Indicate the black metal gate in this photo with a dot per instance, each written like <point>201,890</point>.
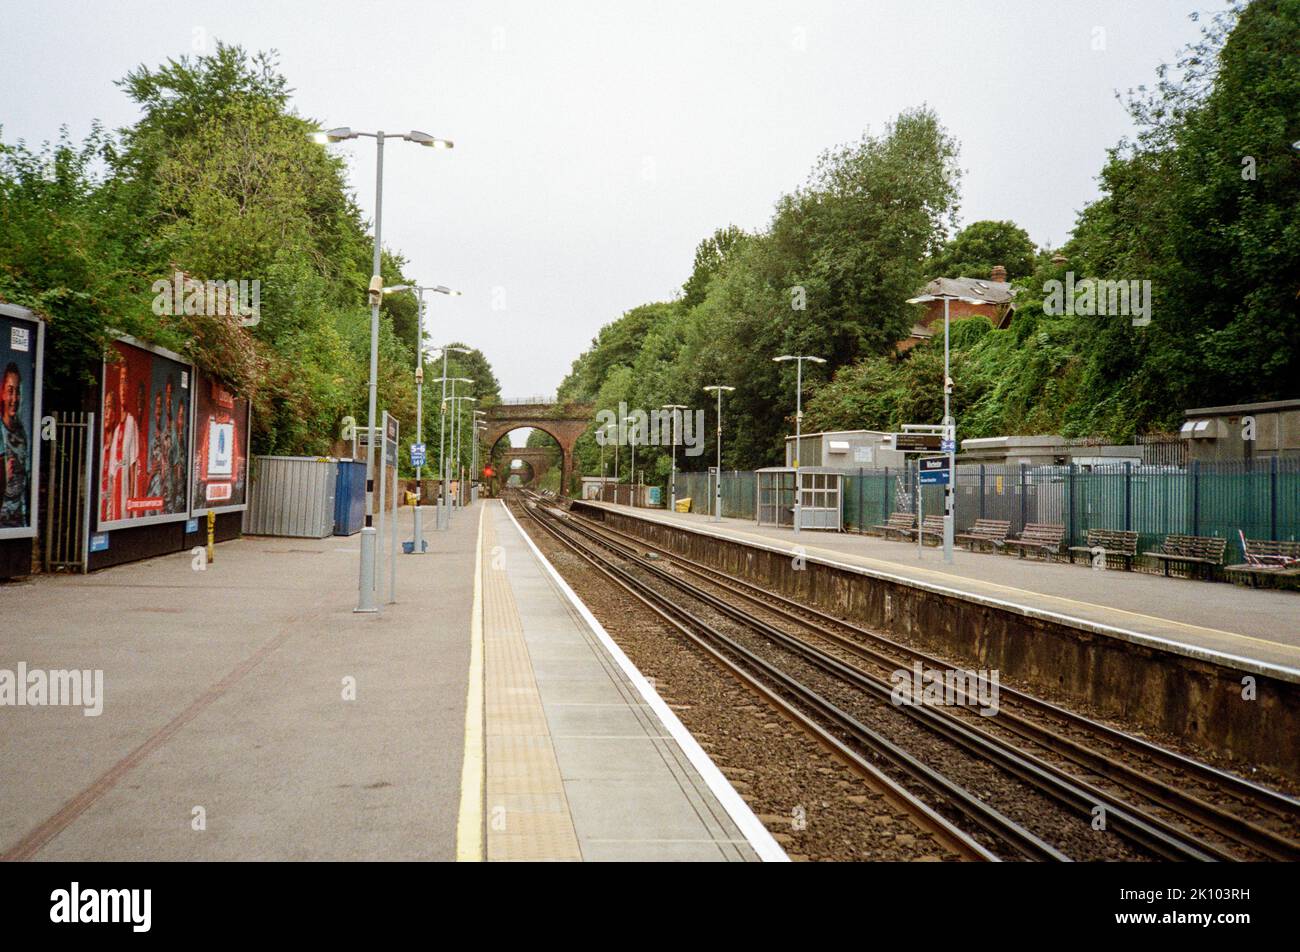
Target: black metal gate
<point>68,465</point>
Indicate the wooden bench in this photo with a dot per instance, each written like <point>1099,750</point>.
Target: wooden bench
<point>1044,537</point>
<point>930,526</point>
<point>1265,557</point>
<point>900,522</point>
<point>1203,552</point>
<point>1116,543</point>
<point>985,531</point>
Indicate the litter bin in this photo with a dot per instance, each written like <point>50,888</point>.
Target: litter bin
<point>350,498</point>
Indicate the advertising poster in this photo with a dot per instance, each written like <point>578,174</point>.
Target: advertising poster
<point>21,340</point>
<point>144,460</point>
<point>221,422</point>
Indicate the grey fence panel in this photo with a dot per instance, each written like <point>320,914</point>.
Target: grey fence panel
<point>291,496</point>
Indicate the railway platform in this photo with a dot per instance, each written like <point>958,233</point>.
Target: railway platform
<point>1257,630</point>
<point>246,712</point>
<point>570,754</point>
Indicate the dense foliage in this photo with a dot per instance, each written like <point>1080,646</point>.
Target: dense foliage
<point>221,180</point>
<point>1202,204</point>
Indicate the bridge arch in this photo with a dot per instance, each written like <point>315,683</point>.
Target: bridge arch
<point>563,421</point>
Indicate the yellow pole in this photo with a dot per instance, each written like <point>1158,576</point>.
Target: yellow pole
<point>212,535</point>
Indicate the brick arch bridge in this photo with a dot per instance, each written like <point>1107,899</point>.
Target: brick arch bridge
<point>561,420</point>
<point>536,458</point>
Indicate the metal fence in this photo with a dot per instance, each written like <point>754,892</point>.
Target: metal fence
<point>68,465</point>
<point>1259,497</point>
<point>738,492</point>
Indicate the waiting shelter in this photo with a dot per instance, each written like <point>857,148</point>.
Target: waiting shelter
<point>821,497</point>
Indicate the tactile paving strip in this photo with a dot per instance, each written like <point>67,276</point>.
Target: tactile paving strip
<point>527,814</point>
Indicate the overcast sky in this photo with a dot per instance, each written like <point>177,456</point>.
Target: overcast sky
<point>597,143</point>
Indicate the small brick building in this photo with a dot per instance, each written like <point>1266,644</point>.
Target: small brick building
<point>996,291</point>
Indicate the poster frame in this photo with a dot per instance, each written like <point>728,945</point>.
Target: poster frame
<point>197,511</point>
<point>38,386</point>
<point>100,524</point>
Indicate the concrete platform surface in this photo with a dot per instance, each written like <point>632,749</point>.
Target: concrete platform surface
<point>1193,617</point>
<point>248,713</point>
<point>580,765</point>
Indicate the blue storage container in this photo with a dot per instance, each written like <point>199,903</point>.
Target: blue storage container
<point>350,498</point>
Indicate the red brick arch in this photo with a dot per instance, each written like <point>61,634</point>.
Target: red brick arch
<point>564,422</point>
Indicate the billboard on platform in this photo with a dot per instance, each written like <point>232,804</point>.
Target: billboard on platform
<point>144,458</point>
<point>221,430</point>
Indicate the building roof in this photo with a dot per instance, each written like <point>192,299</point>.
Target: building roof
<point>980,289</point>
<point>1236,408</point>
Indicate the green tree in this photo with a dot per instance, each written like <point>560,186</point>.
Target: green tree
<point>979,246</point>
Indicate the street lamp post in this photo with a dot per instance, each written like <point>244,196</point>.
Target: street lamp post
<point>798,430</point>
<point>617,441</point>
<point>676,410</point>
<point>366,582</point>
<point>444,520</point>
<point>479,426</point>
<point>417,545</point>
<point>717,481</point>
<point>456,429</point>
<point>949,424</point>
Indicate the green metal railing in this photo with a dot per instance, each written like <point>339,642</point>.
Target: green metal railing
<point>1259,497</point>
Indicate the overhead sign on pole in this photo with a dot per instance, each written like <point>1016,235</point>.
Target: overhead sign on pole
<point>917,442</point>
<point>417,454</point>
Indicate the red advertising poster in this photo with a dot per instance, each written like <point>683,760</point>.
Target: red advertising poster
<point>145,437</point>
<point>221,420</point>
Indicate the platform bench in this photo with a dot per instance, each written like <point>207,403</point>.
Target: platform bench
<point>1044,537</point>
<point>903,523</point>
<point>1201,552</point>
<point>930,526</point>
<point>1117,544</point>
<point>1266,558</point>
<point>985,531</point>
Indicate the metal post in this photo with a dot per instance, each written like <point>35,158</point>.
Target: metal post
<point>1069,516</point>
<point>1128,497</point>
<point>1195,467</point>
<point>672,472</point>
<point>717,485</point>
<point>383,497</point>
<point>950,434</point>
<point>417,533</point>
<point>443,515</point>
<point>1024,498</point>
<point>862,516</point>
<point>798,442</point>
<point>1272,497</point>
<point>920,513</point>
<point>392,552</point>
<point>981,515</point>
<point>366,582</point>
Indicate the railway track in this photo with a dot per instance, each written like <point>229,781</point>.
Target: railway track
<point>1031,742</point>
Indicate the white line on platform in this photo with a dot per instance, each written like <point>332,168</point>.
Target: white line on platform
<point>767,848</point>
<point>469,822</point>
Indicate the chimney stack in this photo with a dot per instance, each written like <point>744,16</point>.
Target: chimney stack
<point>999,273</point>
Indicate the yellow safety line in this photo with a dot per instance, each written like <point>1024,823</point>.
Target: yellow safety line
<point>953,581</point>
<point>469,824</point>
